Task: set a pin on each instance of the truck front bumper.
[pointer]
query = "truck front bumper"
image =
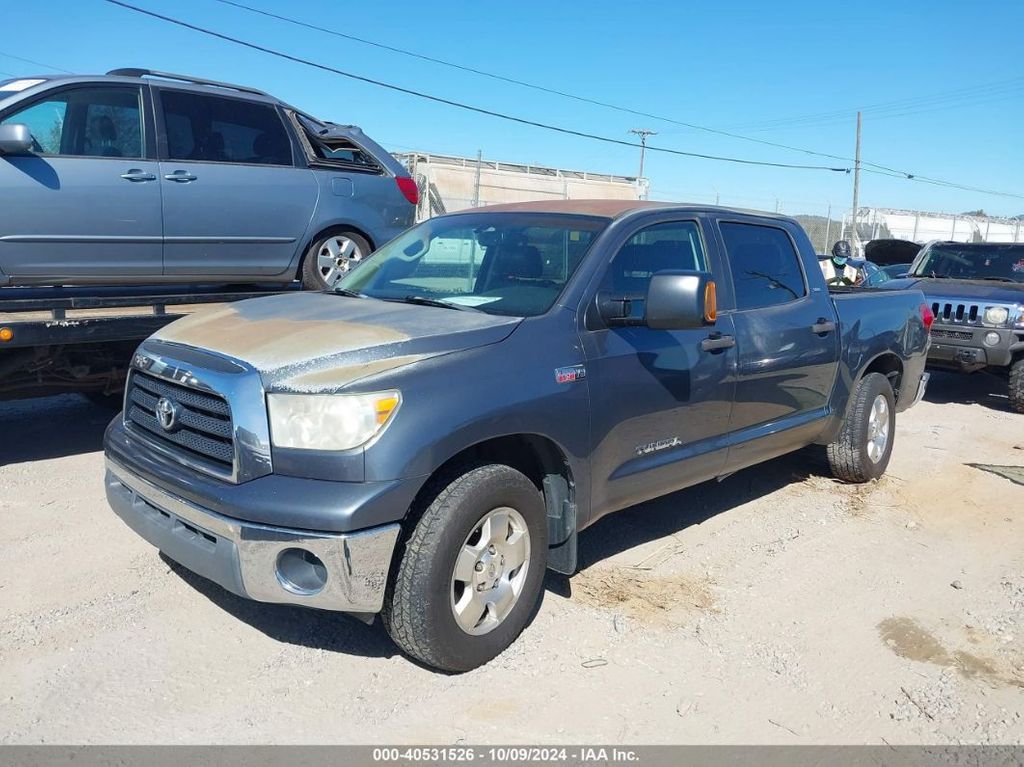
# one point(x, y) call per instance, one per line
point(332, 571)
point(964, 347)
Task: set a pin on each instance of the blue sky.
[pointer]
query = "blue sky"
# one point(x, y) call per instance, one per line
point(732, 65)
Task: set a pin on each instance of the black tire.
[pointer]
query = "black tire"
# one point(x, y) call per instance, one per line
point(418, 611)
point(850, 456)
point(1017, 386)
point(312, 275)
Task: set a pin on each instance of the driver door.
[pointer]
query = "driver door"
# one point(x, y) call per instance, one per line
point(660, 399)
point(86, 203)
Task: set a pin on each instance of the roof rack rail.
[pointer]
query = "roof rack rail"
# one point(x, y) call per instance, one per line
point(133, 72)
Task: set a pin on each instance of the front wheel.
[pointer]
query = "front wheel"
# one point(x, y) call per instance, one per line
point(862, 450)
point(472, 570)
point(1017, 386)
point(331, 257)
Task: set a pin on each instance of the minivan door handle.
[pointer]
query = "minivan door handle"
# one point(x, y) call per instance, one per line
point(716, 342)
point(823, 326)
point(137, 174)
point(181, 176)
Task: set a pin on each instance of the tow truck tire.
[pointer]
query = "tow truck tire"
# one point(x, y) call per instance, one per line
point(330, 257)
point(422, 606)
point(862, 450)
point(1017, 386)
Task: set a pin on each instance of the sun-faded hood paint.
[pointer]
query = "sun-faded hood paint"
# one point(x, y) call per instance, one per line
point(324, 341)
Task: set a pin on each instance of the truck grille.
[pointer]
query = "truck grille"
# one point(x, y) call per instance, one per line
point(948, 311)
point(201, 424)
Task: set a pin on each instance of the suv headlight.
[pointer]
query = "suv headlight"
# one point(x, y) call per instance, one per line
point(329, 421)
point(996, 315)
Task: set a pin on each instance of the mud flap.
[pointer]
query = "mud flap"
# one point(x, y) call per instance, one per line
point(561, 513)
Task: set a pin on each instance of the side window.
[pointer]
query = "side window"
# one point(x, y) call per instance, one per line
point(765, 266)
point(673, 245)
point(85, 122)
point(214, 129)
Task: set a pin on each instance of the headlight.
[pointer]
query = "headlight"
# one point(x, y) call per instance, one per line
point(996, 315)
point(329, 421)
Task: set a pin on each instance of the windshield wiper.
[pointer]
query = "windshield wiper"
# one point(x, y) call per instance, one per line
point(426, 301)
point(997, 279)
point(349, 293)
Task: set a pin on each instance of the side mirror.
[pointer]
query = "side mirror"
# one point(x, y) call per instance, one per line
point(679, 300)
point(15, 138)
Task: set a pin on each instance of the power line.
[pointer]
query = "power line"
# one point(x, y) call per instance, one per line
point(831, 116)
point(526, 84)
point(878, 169)
point(961, 96)
point(462, 105)
point(36, 63)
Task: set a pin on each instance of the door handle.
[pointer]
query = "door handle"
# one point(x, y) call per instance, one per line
point(823, 326)
point(716, 342)
point(181, 176)
point(135, 174)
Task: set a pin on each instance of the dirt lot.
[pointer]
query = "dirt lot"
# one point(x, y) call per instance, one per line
point(774, 607)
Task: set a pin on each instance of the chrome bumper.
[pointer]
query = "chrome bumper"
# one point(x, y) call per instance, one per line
point(245, 558)
point(921, 387)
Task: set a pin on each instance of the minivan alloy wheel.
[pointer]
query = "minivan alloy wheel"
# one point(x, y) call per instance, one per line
point(337, 255)
point(490, 571)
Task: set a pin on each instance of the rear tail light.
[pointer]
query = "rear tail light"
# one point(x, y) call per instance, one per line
point(927, 317)
point(409, 189)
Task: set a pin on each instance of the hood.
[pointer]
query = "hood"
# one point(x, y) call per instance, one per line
point(322, 341)
point(891, 252)
point(970, 290)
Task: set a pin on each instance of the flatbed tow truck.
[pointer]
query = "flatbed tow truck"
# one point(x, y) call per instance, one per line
point(81, 339)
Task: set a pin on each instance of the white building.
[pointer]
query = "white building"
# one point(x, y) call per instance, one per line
point(920, 226)
point(449, 183)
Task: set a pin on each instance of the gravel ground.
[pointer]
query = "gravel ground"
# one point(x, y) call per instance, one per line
point(774, 607)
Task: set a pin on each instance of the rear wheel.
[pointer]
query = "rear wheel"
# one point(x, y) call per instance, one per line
point(331, 257)
point(862, 450)
point(1017, 386)
point(472, 570)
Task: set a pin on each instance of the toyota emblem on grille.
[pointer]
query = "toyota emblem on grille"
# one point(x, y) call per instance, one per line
point(167, 414)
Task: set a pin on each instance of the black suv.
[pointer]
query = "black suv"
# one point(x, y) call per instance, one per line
point(976, 291)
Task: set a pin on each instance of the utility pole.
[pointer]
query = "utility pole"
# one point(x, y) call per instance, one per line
point(643, 133)
point(476, 183)
point(854, 238)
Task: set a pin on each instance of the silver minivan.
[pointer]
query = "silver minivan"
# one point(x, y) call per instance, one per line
point(140, 176)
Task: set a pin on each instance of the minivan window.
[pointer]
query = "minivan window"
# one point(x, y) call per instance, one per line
point(85, 122)
point(214, 129)
point(765, 265)
point(514, 264)
point(671, 245)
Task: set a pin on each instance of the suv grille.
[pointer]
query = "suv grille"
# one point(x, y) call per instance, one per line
point(947, 311)
point(959, 335)
point(201, 427)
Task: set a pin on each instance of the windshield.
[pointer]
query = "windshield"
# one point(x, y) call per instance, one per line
point(513, 264)
point(1002, 263)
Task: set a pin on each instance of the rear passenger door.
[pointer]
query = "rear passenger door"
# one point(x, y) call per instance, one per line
point(660, 400)
point(787, 342)
point(234, 202)
point(86, 203)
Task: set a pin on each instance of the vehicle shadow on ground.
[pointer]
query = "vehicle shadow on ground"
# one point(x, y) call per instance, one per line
point(974, 389)
point(302, 626)
point(51, 427)
point(674, 513)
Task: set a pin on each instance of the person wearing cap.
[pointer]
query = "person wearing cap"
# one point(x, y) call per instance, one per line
point(838, 270)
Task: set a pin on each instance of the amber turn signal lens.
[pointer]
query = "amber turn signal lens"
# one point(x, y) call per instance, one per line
point(710, 303)
point(6, 334)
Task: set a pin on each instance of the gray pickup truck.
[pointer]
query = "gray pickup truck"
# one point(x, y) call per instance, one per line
point(424, 440)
